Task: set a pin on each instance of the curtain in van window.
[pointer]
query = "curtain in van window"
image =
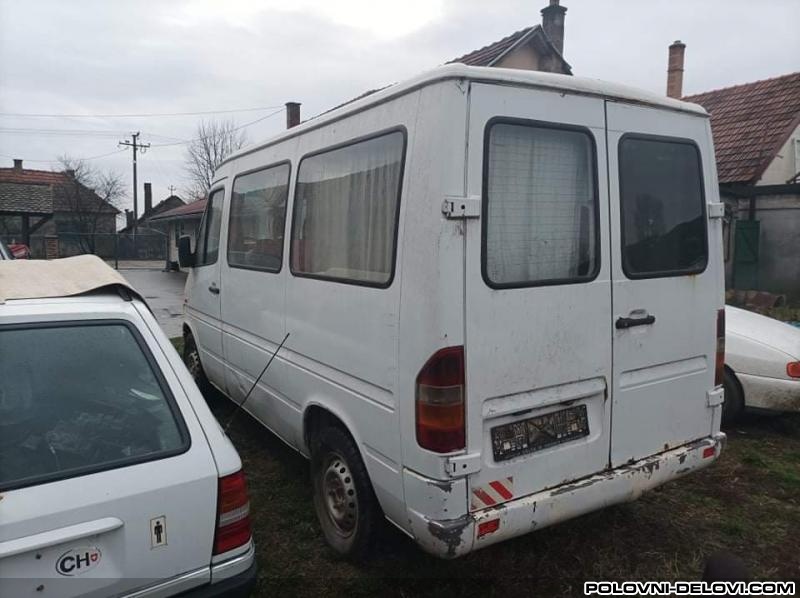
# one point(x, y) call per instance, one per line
point(346, 209)
point(541, 205)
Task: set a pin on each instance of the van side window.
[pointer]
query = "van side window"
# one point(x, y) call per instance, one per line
point(207, 246)
point(662, 206)
point(258, 215)
point(540, 205)
point(344, 225)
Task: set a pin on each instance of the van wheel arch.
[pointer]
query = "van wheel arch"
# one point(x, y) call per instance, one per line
point(191, 358)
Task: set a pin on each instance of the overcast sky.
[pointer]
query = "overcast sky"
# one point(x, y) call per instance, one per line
point(156, 56)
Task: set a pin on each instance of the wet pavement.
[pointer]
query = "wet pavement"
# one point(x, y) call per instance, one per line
point(163, 292)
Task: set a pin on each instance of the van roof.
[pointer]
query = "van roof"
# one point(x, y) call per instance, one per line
point(40, 279)
point(537, 79)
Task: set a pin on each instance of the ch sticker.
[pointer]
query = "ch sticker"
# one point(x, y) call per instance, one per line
point(158, 531)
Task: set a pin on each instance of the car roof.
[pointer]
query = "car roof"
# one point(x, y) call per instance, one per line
point(67, 277)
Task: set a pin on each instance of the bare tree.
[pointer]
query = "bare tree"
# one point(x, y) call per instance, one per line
point(214, 141)
point(92, 197)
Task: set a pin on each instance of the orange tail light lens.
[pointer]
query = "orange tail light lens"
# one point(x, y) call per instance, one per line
point(440, 402)
point(793, 369)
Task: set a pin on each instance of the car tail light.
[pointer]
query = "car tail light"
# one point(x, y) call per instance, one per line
point(719, 369)
point(440, 402)
point(233, 514)
point(793, 369)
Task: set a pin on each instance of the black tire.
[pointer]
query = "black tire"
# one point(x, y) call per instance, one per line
point(345, 503)
point(191, 358)
point(733, 406)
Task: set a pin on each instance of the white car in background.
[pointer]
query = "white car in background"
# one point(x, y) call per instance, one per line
point(115, 478)
point(762, 364)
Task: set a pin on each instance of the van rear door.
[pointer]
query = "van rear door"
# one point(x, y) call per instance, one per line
point(666, 283)
point(538, 297)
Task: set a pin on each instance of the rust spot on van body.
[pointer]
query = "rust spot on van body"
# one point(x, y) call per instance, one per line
point(450, 532)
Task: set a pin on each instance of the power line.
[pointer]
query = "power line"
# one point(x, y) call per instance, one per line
point(119, 151)
point(79, 132)
point(142, 115)
point(239, 128)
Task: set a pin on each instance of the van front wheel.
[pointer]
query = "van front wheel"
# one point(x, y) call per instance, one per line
point(191, 358)
point(346, 506)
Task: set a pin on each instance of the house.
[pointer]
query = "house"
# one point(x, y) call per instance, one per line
point(150, 210)
point(535, 48)
point(180, 221)
point(38, 204)
point(756, 130)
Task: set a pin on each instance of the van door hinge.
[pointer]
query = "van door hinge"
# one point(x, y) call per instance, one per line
point(715, 397)
point(462, 465)
point(716, 210)
point(461, 207)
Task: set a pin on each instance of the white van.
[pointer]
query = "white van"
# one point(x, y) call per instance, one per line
point(503, 295)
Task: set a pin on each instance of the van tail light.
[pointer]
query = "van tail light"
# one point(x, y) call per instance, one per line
point(793, 369)
point(233, 514)
point(440, 402)
point(719, 368)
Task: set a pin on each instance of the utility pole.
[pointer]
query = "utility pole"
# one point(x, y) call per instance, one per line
point(134, 143)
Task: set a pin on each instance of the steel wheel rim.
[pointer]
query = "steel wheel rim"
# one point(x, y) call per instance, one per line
point(193, 364)
point(339, 495)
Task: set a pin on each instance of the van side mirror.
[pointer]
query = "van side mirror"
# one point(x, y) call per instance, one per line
point(185, 253)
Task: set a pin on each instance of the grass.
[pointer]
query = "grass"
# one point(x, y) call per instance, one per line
point(748, 503)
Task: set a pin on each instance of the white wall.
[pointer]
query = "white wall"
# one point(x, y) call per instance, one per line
point(785, 165)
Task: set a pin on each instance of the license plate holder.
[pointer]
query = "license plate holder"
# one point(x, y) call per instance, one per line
point(538, 433)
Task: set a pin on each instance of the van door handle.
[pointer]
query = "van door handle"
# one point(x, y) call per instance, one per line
point(214, 289)
point(623, 323)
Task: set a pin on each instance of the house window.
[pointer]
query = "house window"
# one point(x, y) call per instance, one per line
point(258, 216)
point(540, 199)
point(345, 214)
point(662, 207)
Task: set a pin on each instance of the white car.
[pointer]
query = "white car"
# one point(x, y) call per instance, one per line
point(762, 364)
point(115, 478)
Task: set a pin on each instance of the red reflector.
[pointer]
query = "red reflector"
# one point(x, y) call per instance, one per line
point(233, 514)
point(719, 365)
point(793, 369)
point(440, 402)
point(487, 527)
point(708, 452)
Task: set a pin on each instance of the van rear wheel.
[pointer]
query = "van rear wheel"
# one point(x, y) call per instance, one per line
point(345, 503)
point(191, 358)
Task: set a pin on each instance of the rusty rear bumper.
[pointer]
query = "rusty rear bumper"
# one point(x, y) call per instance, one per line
point(450, 538)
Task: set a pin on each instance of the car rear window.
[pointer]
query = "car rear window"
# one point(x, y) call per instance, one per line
point(662, 205)
point(79, 398)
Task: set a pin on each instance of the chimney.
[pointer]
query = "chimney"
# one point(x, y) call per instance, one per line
point(553, 24)
point(148, 198)
point(675, 69)
point(128, 219)
point(292, 114)
point(17, 164)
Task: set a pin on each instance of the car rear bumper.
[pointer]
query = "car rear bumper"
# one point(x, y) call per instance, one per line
point(773, 394)
point(239, 585)
point(455, 537)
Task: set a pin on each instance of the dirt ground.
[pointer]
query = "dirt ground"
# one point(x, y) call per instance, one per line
point(748, 503)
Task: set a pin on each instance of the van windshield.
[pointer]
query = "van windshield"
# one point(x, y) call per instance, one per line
point(80, 398)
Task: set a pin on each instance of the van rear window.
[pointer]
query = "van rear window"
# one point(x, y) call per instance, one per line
point(662, 206)
point(344, 225)
point(540, 205)
point(80, 398)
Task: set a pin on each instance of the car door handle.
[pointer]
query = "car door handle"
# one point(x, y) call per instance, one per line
point(214, 289)
point(623, 323)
